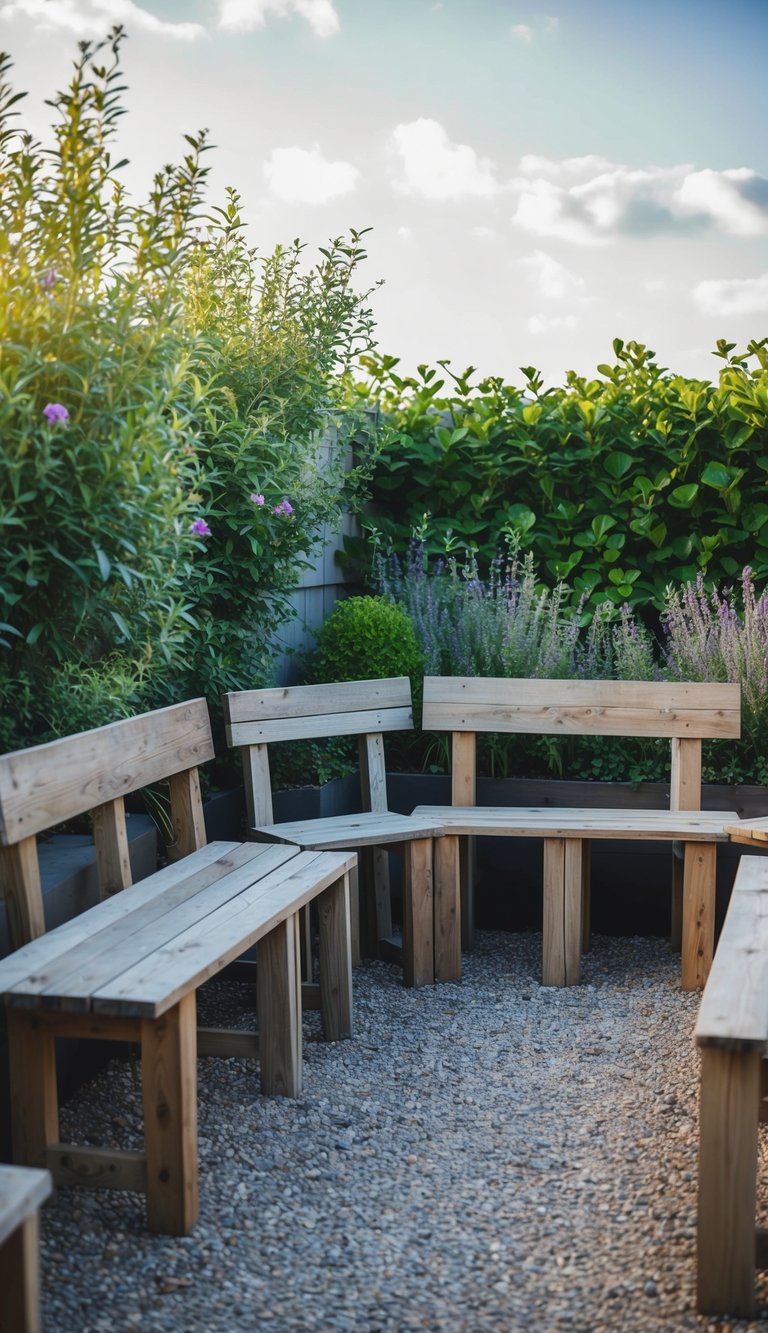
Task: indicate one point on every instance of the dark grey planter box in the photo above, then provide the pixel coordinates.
(630, 880)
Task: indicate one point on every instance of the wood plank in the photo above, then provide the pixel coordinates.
(698, 913)
(40, 953)
(340, 831)
(418, 915)
(258, 785)
(355, 914)
(463, 768)
(586, 895)
(378, 862)
(315, 700)
(279, 1008)
(46, 784)
(22, 1190)
(335, 960)
(467, 703)
(228, 1042)
(163, 976)
(749, 830)
(761, 1248)
(264, 732)
(730, 1084)
(169, 1092)
(97, 1168)
(20, 1278)
(447, 908)
(572, 907)
(187, 813)
(533, 822)
(553, 949)
(734, 1007)
(80, 1027)
(20, 887)
(156, 920)
(34, 1095)
(110, 837)
(685, 781)
(373, 773)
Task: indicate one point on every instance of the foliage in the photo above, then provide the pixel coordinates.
(368, 638)
(621, 484)
(162, 389)
(508, 625)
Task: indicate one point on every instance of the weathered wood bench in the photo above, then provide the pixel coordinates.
(683, 713)
(128, 968)
(22, 1190)
(365, 709)
(732, 1035)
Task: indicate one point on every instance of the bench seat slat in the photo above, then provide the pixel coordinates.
(734, 1008)
(363, 830)
(79, 931)
(22, 1190)
(79, 972)
(749, 830)
(162, 977)
(533, 822)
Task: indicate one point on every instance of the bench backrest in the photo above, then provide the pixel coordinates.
(93, 771)
(685, 713)
(734, 1007)
(362, 708)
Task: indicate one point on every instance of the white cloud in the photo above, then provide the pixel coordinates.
(552, 279)
(539, 324)
(483, 233)
(304, 176)
(405, 233)
(435, 168)
(654, 285)
(589, 201)
(551, 24)
(247, 15)
(91, 18)
(521, 32)
(733, 296)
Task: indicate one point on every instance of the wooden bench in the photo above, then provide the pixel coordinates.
(128, 968)
(22, 1190)
(683, 713)
(732, 1034)
(366, 709)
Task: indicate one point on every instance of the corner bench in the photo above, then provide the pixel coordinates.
(128, 968)
(22, 1190)
(683, 713)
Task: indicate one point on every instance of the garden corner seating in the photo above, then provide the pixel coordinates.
(681, 712)
(22, 1190)
(431, 949)
(128, 968)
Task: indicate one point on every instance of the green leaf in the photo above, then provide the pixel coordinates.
(618, 464)
(683, 496)
(716, 475)
(105, 567)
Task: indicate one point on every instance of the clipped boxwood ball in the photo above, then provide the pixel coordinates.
(368, 638)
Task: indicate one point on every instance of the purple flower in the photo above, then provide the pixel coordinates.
(200, 528)
(256, 499)
(49, 280)
(284, 507)
(55, 412)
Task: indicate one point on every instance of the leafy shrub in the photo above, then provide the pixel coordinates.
(620, 484)
(368, 638)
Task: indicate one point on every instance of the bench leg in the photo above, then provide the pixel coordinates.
(700, 866)
(562, 911)
(676, 920)
(354, 913)
(447, 908)
(586, 896)
(335, 960)
(19, 1279)
(278, 1002)
(169, 1087)
(730, 1090)
(418, 914)
(467, 878)
(34, 1093)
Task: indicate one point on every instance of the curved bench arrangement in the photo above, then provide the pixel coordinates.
(682, 713)
(128, 968)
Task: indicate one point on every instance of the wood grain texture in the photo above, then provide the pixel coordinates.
(187, 812)
(685, 779)
(447, 896)
(562, 928)
(533, 822)
(335, 960)
(617, 708)
(336, 832)
(20, 887)
(47, 784)
(730, 1084)
(700, 867)
(169, 1092)
(278, 1001)
(110, 837)
(264, 732)
(258, 785)
(733, 1013)
(308, 701)
(97, 1168)
(418, 915)
(22, 1190)
(228, 1042)
(373, 773)
(20, 1279)
(34, 1093)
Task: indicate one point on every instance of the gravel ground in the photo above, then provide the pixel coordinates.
(484, 1155)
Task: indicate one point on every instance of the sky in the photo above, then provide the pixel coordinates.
(539, 178)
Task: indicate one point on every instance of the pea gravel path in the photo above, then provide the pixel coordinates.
(486, 1155)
